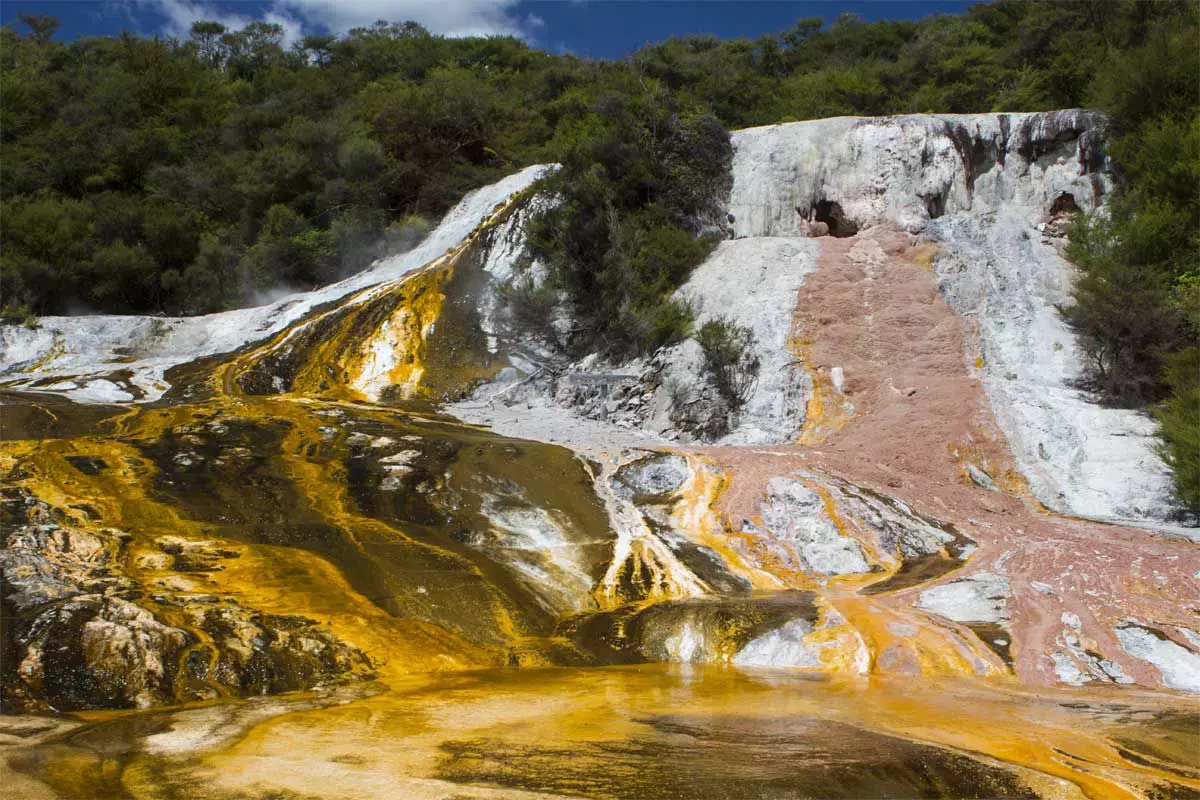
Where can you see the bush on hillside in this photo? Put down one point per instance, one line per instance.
(1179, 425)
(637, 206)
(729, 355)
(1121, 315)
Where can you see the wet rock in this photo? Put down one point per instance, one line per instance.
(797, 515)
(981, 597)
(653, 479)
(782, 647)
(188, 562)
(400, 463)
(186, 459)
(981, 478)
(153, 561)
(88, 465)
(188, 555)
(1179, 666)
(78, 637)
(99, 652)
(257, 653)
(1079, 660)
(546, 554)
(898, 528)
(43, 563)
(802, 645)
(699, 630)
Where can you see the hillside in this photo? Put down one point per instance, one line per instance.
(290, 494)
(149, 175)
(403, 416)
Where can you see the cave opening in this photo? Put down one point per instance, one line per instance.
(1064, 204)
(831, 214)
(935, 204)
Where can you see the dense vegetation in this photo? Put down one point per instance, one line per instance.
(148, 174)
(1137, 307)
(638, 205)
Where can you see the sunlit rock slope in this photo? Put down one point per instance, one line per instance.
(115, 359)
(305, 497)
(989, 194)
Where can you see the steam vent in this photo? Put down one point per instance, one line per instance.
(373, 541)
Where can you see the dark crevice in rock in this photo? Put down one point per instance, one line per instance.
(830, 212)
(1042, 134)
(977, 154)
(1064, 204)
(1005, 133)
(935, 204)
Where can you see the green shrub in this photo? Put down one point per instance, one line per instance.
(1179, 425)
(1121, 312)
(533, 306)
(655, 325)
(18, 315)
(637, 204)
(729, 355)
(406, 233)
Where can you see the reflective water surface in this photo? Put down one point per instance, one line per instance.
(646, 731)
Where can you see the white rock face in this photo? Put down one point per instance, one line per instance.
(799, 645)
(1078, 456)
(750, 282)
(1179, 666)
(754, 283)
(978, 185)
(782, 647)
(540, 550)
(982, 597)
(908, 169)
(1075, 663)
(71, 347)
(796, 514)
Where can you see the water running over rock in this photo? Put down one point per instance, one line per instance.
(856, 589)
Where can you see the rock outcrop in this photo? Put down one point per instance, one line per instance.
(304, 510)
(986, 192)
(981, 187)
(868, 507)
(65, 354)
(79, 632)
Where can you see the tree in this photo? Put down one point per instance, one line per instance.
(207, 35)
(41, 27)
(317, 49)
(1179, 425)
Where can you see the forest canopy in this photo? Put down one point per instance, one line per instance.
(151, 174)
(187, 176)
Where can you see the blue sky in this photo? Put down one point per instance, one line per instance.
(598, 28)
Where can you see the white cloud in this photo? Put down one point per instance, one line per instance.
(448, 17)
(181, 14)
